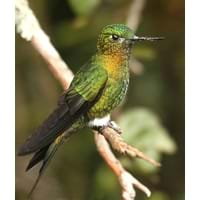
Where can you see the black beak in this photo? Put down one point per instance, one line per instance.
(136, 38)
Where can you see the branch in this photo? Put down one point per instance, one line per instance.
(126, 180)
(133, 21)
(121, 146)
(28, 27)
(135, 12)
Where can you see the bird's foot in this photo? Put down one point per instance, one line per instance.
(99, 124)
(110, 124)
(99, 128)
(115, 127)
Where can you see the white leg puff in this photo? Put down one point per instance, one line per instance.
(99, 122)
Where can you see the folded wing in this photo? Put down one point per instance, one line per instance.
(84, 92)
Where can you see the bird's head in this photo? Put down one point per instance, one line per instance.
(118, 39)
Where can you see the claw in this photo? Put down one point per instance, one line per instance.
(97, 125)
(115, 127)
(99, 128)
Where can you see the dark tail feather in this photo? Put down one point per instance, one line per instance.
(47, 154)
(38, 157)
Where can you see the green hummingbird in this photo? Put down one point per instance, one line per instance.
(96, 89)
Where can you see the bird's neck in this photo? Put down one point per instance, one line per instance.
(115, 64)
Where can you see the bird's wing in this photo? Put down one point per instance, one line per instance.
(85, 89)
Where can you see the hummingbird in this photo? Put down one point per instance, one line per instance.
(95, 91)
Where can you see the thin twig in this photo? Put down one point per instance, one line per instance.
(133, 21)
(134, 14)
(126, 180)
(62, 73)
(121, 146)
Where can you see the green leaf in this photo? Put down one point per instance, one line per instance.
(143, 130)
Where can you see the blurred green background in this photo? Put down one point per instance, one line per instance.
(152, 116)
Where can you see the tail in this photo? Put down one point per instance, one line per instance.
(45, 155)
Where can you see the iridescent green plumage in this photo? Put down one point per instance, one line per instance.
(97, 88)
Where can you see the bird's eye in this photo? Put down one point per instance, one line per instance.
(115, 37)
